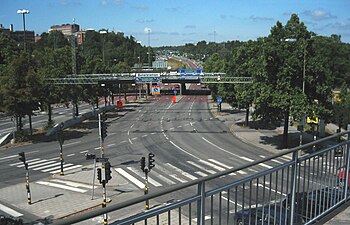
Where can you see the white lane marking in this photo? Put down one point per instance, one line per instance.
(166, 180)
(174, 176)
(61, 186)
(145, 135)
(66, 168)
(262, 156)
(205, 218)
(241, 172)
(110, 145)
(179, 126)
(218, 147)
(287, 157)
(132, 125)
(182, 172)
(70, 155)
(153, 133)
(10, 211)
(246, 159)
(33, 163)
(57, 167)
(264, 165)
(184, 150)
(134, 138)
(172, 128)
(276, 161)
(130, 141)
(86, 151)
(9, 157)
(73, 184)
(201, 167)
(253, 170)
(97, 148)
(40, 164)
(201, 173)
(54, 158)
(273, 190)
(128, 132)
(150, 180)
(223, 197)
(73, 143)
(212, 165)
(28, 161)
(220, 163)
(130, 177)
(123, 142)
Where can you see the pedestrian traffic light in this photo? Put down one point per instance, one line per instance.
(99, 175)
(151, 161)
(104, 116)
(108, 171)
(22, 157)
(143, 164)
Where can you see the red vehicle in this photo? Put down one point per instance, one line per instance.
(342, 177)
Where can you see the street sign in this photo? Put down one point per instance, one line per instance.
(219, 100)
(139, 80)
(155, 90)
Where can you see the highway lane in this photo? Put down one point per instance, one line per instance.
(40, 118)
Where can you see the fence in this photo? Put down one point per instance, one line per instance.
(312, 182)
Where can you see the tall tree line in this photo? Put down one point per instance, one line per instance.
(23, 74)
(294, 72)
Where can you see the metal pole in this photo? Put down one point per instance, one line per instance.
(61, 156)
(293, 185)
(101, 141)
(201, 204)
(146, 188)
(93, 180)
(24, 31)
(347, 166)
(27, 185)
(104, 204)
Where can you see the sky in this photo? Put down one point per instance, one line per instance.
(178, 22)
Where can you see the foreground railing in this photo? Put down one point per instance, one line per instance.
(309, 184)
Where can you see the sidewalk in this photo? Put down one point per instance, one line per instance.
(271, 140)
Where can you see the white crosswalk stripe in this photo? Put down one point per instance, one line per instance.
(46, 165)
(62, 186)
(181, 171)
(140, 174)
(172, 175)
(201, 167)
(131, 178)
(212, 165)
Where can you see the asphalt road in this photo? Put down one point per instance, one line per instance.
(187, 140)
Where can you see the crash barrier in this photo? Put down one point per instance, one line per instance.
(302, 185)
(77, 120)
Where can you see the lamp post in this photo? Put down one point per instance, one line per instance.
(23, 12)
(103, 32)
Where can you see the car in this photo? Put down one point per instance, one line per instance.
(342, 176)
(266, 215)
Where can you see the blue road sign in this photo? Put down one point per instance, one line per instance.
(155, 89)
(219, 100)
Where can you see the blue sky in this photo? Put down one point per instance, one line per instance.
(181, 21)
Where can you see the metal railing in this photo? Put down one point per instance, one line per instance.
(304, 184)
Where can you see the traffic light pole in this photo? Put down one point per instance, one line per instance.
(146, 188)
(29, 197)
(101, 138)
(93, 180)
(104, 204)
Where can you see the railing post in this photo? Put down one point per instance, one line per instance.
(293, 185)
(201, 204)
(347, 165)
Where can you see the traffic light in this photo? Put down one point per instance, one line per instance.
(151, 161)
(143, 164)
(99, 175)
(104, 116)
(108, 171)
(103, 130)
(22, 157)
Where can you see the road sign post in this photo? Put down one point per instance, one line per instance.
(92, 156)
(219, 100)
(61, 141)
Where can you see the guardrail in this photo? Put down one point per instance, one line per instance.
(307, 186)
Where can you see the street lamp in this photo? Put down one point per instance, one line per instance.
(23, 12)
(103, 32)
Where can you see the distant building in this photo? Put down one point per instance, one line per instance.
(19, 36)
(159, 64)
(5, 31)
(66, 29)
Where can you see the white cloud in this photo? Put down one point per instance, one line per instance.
(318, 14)
(260, 18)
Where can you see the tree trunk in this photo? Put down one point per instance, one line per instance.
(30, 124)
(49, 113)
(76, 109)
(20, 124)
(247, 116)
(285, 131)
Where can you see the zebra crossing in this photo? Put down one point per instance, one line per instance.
(51, 166)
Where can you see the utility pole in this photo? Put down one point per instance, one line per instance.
(23, 159)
